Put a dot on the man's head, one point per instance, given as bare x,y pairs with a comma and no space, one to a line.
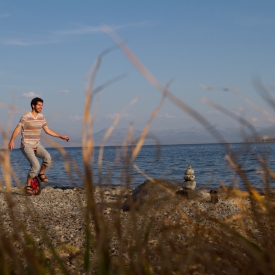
37,104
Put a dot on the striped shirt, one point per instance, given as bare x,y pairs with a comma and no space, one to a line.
31,129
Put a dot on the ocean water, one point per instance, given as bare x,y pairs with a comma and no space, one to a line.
167,162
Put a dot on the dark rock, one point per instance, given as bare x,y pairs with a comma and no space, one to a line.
192,194
214,196
150,193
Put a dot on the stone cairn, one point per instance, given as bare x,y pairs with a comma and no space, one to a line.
189,177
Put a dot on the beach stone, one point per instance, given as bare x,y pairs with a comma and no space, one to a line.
189,177
149,193
189,170
189,184
193,194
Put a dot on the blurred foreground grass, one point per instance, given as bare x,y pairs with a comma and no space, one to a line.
174,236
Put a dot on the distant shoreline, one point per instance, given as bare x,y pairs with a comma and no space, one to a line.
177,144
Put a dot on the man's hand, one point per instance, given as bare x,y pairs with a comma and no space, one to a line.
11,144
65,138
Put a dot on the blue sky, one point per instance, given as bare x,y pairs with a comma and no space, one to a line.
207,48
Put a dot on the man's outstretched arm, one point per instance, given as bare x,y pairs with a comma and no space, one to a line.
15,133
54,134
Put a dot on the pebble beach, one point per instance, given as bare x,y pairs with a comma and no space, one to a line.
59,213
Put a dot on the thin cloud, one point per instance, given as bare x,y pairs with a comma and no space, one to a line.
14,42
97,29
115,115
239,109
31,40
166,116
64,91
57,37
75,118
184,117
214,112
3,105
209,88
81,30
30,94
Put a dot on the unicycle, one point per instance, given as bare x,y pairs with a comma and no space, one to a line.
36,186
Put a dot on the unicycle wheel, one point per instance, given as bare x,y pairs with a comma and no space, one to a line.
36,186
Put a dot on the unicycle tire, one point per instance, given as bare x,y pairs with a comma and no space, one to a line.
36,186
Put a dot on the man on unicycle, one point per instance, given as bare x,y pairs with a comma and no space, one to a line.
30,126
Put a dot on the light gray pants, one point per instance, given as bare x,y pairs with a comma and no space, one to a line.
31,156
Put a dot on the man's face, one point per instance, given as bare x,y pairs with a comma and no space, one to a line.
38,107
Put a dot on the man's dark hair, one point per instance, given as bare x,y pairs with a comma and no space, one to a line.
36,100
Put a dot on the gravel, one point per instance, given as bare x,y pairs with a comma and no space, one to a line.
59,214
